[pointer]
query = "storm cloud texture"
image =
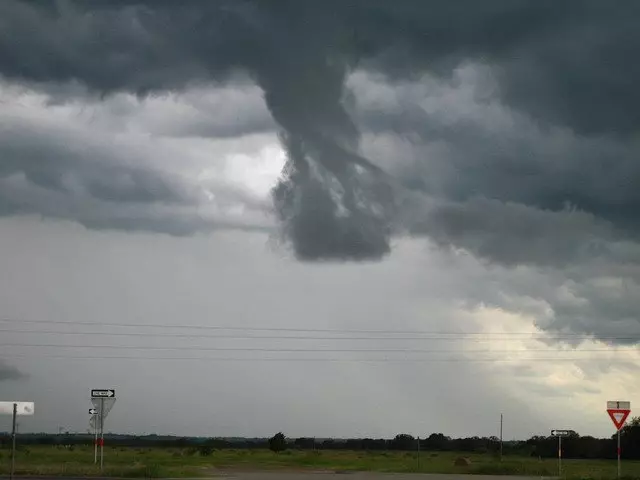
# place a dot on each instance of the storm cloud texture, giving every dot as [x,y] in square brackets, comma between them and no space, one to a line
[543,172]
[9,372]
[565,65]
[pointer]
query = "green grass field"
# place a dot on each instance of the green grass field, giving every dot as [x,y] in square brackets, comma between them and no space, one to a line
[155,463]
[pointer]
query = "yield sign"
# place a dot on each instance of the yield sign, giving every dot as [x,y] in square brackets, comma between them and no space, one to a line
[618,416]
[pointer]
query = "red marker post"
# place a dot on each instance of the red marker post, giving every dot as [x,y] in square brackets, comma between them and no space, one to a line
[618,412]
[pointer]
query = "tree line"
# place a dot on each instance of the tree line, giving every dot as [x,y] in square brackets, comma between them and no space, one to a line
[573,446]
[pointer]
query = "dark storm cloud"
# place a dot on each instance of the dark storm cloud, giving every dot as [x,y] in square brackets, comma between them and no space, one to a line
[9,372]
[569,64]
[46,170]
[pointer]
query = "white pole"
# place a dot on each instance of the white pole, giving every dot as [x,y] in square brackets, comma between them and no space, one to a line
[95,440]
[13,441]
[559,455]
[101,433]
[500,437]
[618,453]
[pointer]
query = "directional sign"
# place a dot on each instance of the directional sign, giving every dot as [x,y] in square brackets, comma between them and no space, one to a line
[561,433]
[103,393]
[22,408]
[93,411]
[618,411]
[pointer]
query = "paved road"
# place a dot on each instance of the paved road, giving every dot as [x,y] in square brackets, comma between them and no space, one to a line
[325,476]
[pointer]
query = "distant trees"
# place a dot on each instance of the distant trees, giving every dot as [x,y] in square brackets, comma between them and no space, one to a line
[278,442]
[545,446]
[405,442]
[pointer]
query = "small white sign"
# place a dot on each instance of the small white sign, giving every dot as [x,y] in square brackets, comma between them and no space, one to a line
[23,408]
[103,393]
[618,405]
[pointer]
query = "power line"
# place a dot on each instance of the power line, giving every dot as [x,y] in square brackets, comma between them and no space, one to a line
[300,350]
[311,330]
[327,359]
[280,337]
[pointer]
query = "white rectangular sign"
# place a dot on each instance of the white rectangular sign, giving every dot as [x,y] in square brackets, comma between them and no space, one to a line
[23,408]
[618,405]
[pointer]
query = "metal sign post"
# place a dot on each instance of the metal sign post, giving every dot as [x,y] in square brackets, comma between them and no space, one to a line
[618,412]
[103,399]
[500,437]
[13,441]
[14,409]
[560,434]
[101,434]
[94,425]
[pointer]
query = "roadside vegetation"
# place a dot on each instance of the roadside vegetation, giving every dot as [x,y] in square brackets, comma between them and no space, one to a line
[206,461]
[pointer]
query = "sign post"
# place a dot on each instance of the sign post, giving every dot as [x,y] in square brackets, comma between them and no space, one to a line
[13,441]
[618,411]
[103,399]
[94,413]
[560,434]
[14,409]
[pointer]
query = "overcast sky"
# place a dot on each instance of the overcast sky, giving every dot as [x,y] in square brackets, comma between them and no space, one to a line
[320,219]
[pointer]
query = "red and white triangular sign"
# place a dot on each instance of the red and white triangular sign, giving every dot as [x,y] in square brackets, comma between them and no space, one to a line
[618,416]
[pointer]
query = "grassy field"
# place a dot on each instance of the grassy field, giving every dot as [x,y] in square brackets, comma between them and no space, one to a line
[156,463]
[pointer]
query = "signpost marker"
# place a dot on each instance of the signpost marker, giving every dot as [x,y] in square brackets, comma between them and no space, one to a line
[103,399]
[15,409]
[13,441]
[560,434]
[94,415]
[618,411]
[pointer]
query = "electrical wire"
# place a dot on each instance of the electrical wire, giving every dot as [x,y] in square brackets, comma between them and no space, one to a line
[298,359]
[300,350]
[285,329]
[279,337]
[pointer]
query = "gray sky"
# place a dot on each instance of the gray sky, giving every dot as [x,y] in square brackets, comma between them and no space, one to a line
[321,178]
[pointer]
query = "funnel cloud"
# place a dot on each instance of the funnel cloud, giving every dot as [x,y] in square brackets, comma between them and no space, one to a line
[330,202]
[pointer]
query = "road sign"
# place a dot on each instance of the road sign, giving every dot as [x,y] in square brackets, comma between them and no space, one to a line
[14,409]
[103,393]
[103,400]
[103,405]
[22,408]
[618,416]
[618,411]
[93,411]
[559,434]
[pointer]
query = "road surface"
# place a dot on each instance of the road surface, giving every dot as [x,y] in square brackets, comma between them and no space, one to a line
[279,475]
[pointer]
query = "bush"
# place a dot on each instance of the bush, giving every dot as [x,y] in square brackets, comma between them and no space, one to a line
[205,450]
[278,443]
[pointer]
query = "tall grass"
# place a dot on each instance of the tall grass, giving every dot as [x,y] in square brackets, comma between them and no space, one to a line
[194,462]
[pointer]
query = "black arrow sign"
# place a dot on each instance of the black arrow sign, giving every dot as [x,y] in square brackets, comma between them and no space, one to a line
[561,433]
[93,411]
[103,393]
